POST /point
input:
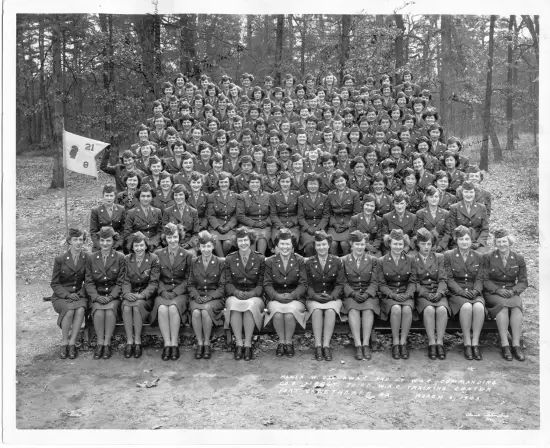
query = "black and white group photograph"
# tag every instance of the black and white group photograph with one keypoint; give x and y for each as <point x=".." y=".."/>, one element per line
<point x="273" y="221"/>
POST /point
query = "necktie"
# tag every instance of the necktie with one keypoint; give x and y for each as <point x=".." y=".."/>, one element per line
<point x="110" y="211"/>
<point x="358" y="262"/>
<point x="468" y="208"/>
<point x="145" y="212"/>
<point x="75" y="259"/>
<point x="138" y="261"/>
<point x="322" y="262"/>
<point x="172" y="257"/>
<point x="504" y="260"/>
<point x="245" y="259"/>
<point x="285" y="262"/>
<point x="105" y="259"/>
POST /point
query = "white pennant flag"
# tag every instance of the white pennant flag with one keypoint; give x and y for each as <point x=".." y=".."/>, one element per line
<point x="80" y="152"/>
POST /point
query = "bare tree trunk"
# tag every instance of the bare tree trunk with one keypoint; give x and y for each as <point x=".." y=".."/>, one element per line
<point x="156" y="49"/>
<point x="43" y="127"/>
<point x="303" y="34"/>
<point x="497" y="149"/>
<point x="484" y="157"/>
<point x="290" y="34"/>
<point x="445" y="75"/>
<point x="510" y="88"/>
<point x="59" y="91"/>
<point x="249" y="21"/>
<point x="344" y="44"/>
<point x="106" y="23"/>
<point x="279" y="48"/>
<point x="533" y="27"/>
<point x="399" y="62"/>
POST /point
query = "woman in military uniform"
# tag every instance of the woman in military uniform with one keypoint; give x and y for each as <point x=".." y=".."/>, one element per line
<point x="206" y="292"/>
<point x="465" y="282"/>
<point x="185" y="215"/>
<point x="69" y="296"/>
<point x="360" y="291"/>
<point x="433" y="218"/>
<point x="244" y="276"/>
<point x="107" y="214"/>
<point x="138" y="291"/>
<point x="369" y="224"/>
<point x="253" y="211"/>
<point x="384" y="201"/>
<point x="325" y="277"/>
<point x="144" y="218"/>
<point x="400" y="219"/>
<point x="396" y="277"/>
<point x="283" y="207"/>
<point x="105" y="271"/>
<point x="171" y="302"/>
<point x="221" y="211"/>
<point x="504" y="280"/>
<point x="431" y="289"/>
<point x="313" y="214"/>
<point x="343" y="203"/>
<point x="127" y="198"/>
<point x="198" y="199"/>
<point x="285" y="285"/>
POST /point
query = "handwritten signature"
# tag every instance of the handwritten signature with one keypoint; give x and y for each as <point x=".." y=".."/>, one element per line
<point x="487" y="415"/>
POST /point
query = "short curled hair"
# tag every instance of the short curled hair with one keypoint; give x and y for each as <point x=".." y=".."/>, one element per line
<point x="145" y="188"/>
<point x="400" y="196"/>
<point x="285" y="234"/>
<point x="225" y="175"/>
<point x="109" y="188"/>
<point x="132" y="174"/>
<point x="204" y="237"/>
<point x="138" y="237"/>
<point x="321" y="235"/>
<point x="172" y="229"/>
<point x="180" y="188"/>
<point x="387" y="240"/>
<point x="243" y="232"/>
<point x="75" y="233"/>
<point x="312" y="177"/>
<point x="337" y="175"/>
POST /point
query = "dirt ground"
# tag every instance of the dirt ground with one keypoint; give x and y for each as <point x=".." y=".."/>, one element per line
<point x="267" y="392"/>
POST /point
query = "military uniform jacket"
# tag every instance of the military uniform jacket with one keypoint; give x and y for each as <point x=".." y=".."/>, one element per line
<point x="482" y="196"/>
<point x="497" y="276"/>
<point x="457" y="177"/>
<point x="149" y="225"/>
<point x="244" y="278"/>
<point x="209" y="279"/>
<point x="172" y="165"/>
<point x="329" y="280"/>
<point x="199" y="204"/>
<point x="241" y="183"/>
<point x="105" y="280"/>
<point x="144" y="166"/>
<point x="143" y="279"/>
<point x="68" y="278"/>
<point x="360" y="278"/>
<point x="220" y="211"/>
<point x="284" y="213"/>
<point x="464" y="275"/>
<point x="100" y="218"/>
<point x="362" y="186"/>
<point x="118" y="171"/>
<point x="431" y="276"/>
<point x="163" y="202"/>
<point x="393" y="184"/>
<point x="425" y="219"/>
<point x="232" y="166"/>
<point x="391" y="221"/>
<point x="446" y="200"/>
<point x="173" y="277"/>
<point x="341" y="209"/>
<point x="397" y="278"/>
<point x="298" y="183"/>
<point x="426" y="179"/>
<point x="270" y="184"/>
<point x="383" y="205"/>
<point x="313" y="213"/>
<point x="252" y="209"/>
<point x="416" y="199"/>
<point x="373" y="228"/>
<point x="292" y="280"/>
<point x="159" y="137"/>
<point x="152" y="182"/>
<point x="189" y="219"/>
<point x="477" y="220"/>
<point x="123" y="199"/>
<point x="438" y="148"/>
<point x="310" y="168"/>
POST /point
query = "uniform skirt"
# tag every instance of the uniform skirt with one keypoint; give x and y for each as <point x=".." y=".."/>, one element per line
<point x="296" y="308"/>
<point x="255" y="305"/>
<point x="372" y="303"/>
<point x="262" y="233"/>
<point x="495" y="303"/>
<point x="344" y="236"/>
<point x="223" y="237"/>
<point x="387" y="303"/>
<point x="294" y="230"/>
<point x="112" y="305"/>
<point x="144" y="307"/>
<point x="214" y="308"/>
<point x="180" y="302"/>
<point x="456" y="303"/>
<point x="61" y="306"/>
<point x="312" y="305"/>
<point x="422" y="302"/>
<point x="305" y="238"/>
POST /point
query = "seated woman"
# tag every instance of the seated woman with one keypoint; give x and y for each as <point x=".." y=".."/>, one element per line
<point x="442" y="181"/>
<point x="360" y="291"/>
<point x="244" y="276"/>
<point x="410" y="188"/>
<point x="359" y="181"/>
<point x="325" y="278"/>
<point x="465" y="282"/>
<point x="451" y="161"/>
<point x="127" y="198"/>
<point x="206" y="292"/>
<point x="107" y="214"/>
<point x="69" y="296"/>
<point x="285" y="285"/>
<point x="271" y="178"/>
<point x="472" y="215"/>
<point x="105" y="271"/>
<point x="171" y="302"/>
<point x="253" y="211"/>
<point x="397" y="283"/>
<point x="221" y="210"/>
<point x="198" y="198"/>
<point x="431" y="289"/>
<point x="164" y="197"/>
<point x="283" y="208"/>
<point x="369" y="224"/>
<point x="433" y="218"/>
<point x="504" y="280"/>
<point x="138" y="291"/>
<point x="183" y="214"/>
<point x="343" y="203"/>
<point x="313" y="214"/>
<point x="384" y="201"/>
<point x="400" y="219"/>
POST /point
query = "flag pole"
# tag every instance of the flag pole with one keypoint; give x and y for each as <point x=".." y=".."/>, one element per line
<point x="65" y="179"/>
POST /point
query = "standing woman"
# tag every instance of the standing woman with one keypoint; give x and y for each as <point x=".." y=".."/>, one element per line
<point x="108" y="214"/>
<point x="171" y="302"/>
<point x="360" y="291"/>
<point x="313" y="214"/>
<point x="396" y="276"/>
<point x="69" y="296"/>
<point x="138" y="291"/>
<point x="285" y="285"/>
<point x="430" y="292"/>
<point x="206" y="292"/>
<point x="325" y="277"/>
<point x="105" y="271"/>
<point x="343" y="203"/>
<point x="244" y="305"/>
<point x="505" y="279"/>
<point x="465" y="282"/>
<point x="221" y="211"/>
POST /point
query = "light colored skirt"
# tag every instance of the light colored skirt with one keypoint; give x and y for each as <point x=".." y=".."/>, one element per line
<point x="144" y="306"/>
<point x="422" y="303"/>
<point x="214" y="308"/>
<point x="112" y="305"/>
<point x="495" y="303"/>
<point x="296" y="308"/>
<point x="255" y="305"/>
<point x="61" y="306"/>
<point x="312" y="305"/>
<point x="180" y="302"/>
<point x="372" y="303"/>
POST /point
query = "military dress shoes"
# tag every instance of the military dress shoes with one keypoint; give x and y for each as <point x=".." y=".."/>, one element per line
<point x="166" y="353"/>
<point x="518" y="353"/>
<point x="98" y="352"/>
<point x="507" y="353"/>
<point x="64" y="352"/>
<point x="432" y="352"/>
<point x="72" y="351"/>
<point x="137" y="351"/>
<point x="440" y="351"/>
